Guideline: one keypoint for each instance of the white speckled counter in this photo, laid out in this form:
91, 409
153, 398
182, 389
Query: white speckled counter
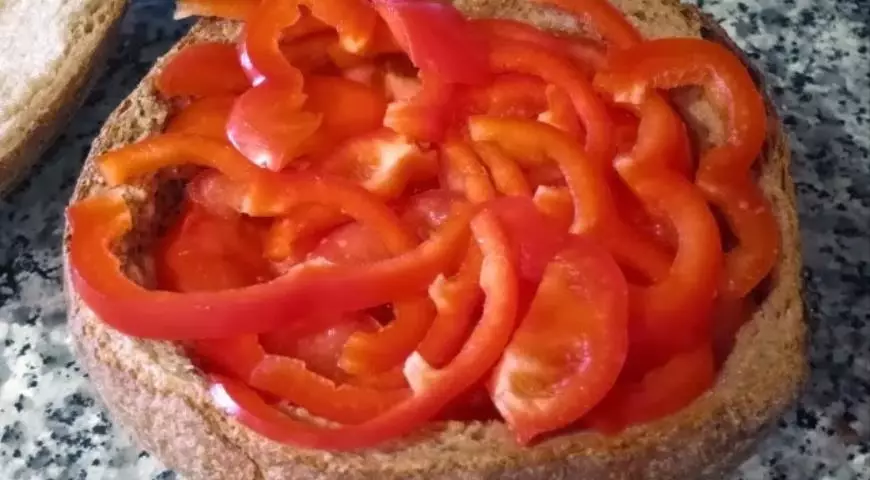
815, 57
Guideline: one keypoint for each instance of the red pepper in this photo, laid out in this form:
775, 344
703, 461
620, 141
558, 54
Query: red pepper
438, 39
235, 356
217, 68
354, 20
504, 170
605, 18
556, 204
507, 95
560, 112
723, 174
426, 212
206, 117
231, 9
260, 51
523, 58
268, 126
463, 172
569, 348
663, 391
594, 210
479, 354
425, 116
588, 55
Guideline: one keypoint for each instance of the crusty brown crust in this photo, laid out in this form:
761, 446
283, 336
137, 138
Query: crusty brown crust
158, 396
57, 106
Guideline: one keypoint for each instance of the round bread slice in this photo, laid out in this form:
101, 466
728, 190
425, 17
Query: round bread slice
74, 40
153, 390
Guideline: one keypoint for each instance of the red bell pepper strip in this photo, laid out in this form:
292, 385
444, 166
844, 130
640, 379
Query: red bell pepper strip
206, 117
662, 392
425, 116
268, 126
230, 9
438, 39
463, 172
589, 55
354, 20
507, 95
523, 58
556, 204
425, 212
307, 25
506, 174
217, 68
289, 379
479, 354
310, 53
569, 348
594, 210
560, 112
235, 356
605, 18
260, 50
723, 173
456, 299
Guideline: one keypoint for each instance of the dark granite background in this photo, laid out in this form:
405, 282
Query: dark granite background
815, 57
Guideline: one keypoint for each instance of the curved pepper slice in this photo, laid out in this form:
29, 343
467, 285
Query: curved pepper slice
511, 95
589, 55
235, 356
427, 211
290, 379
206, 117
594, 210
260, 50
230, 9
506, 174
354, 20
455, 299
569, 348
425, 116
560, 112
438, 39
477, 356
217, 68
605, 18
523, 58
723, 173
663, 391
463, 172
268, 126
556, 204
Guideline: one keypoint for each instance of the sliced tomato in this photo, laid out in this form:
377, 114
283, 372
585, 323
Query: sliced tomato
438, 39
268, 126
354, 243
205, 117
569, 348
217, 68
206, 252
426, 212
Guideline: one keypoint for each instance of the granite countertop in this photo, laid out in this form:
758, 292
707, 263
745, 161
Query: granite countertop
815, 57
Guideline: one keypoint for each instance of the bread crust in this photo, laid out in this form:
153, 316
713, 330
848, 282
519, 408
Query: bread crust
152, 389
53, 107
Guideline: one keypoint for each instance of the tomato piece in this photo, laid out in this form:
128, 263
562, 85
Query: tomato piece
723, 174
205, 117
594, 210
217, 72
662, 392
230, 9
205, 252
480, 353
605, 18
260, 50
569, 348
293, 236
426, 212
462, 171
729, 316
506, 174
383, 162
267, 126
352, 243
438, 39
215, 193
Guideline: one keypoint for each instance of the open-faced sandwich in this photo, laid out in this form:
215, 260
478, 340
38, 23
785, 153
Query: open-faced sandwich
420, 239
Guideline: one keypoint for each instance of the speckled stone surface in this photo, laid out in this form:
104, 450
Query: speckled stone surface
816, 61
